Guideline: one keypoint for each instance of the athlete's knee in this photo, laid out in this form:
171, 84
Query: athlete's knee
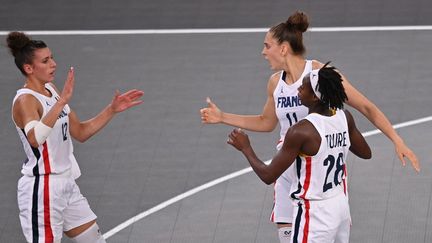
283, 225
90, 235
284, 234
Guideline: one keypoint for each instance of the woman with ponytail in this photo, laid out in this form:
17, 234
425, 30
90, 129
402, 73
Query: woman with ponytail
284, 50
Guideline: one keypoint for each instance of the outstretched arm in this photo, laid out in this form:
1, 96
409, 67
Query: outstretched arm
359, 146
82, 131
359, 102
265, 122
282, 160
377, 117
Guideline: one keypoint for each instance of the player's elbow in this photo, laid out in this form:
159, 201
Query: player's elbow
80, 133
267, 182
268, 179
368, 154
80, 137
33, 143
267, 124
81, 140
365, 154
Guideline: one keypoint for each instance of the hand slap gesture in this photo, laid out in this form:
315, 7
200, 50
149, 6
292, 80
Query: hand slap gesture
238, 139
122, 102
211, 114
68, 87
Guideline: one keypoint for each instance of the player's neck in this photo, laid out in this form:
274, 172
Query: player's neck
294, 68
36, 85
320, 109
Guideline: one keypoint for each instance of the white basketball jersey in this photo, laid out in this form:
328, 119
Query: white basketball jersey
55, 155
288, 107
322, 176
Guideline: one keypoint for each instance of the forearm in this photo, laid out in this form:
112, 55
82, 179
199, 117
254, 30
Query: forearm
90, 127
381, 122
260, 168
38, 131
51, 117
255, 123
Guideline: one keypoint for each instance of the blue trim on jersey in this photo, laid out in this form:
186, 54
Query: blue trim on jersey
299, 186
283, 76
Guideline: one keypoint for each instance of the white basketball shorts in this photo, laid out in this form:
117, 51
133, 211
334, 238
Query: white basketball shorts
49, 205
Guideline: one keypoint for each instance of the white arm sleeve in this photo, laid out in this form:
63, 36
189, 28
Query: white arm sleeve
41, 131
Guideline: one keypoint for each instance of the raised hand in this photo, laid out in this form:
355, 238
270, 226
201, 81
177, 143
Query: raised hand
68, 87
238, 139
211, 114
122, 102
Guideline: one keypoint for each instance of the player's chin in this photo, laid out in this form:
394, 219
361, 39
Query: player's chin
50, 78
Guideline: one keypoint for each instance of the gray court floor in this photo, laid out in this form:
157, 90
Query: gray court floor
160, 149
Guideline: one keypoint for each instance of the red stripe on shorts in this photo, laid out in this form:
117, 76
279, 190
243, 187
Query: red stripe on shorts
306, 225
307, 205
344, 181
49, 238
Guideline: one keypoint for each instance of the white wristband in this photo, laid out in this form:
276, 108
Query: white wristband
41, 131
29, 126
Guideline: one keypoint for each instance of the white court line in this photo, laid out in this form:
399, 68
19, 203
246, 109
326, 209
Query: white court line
225, 178
212, 31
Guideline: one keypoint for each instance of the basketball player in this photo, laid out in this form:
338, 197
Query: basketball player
284, 50
49, 200
318, 146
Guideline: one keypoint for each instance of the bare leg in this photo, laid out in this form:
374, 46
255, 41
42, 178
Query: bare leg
78, 230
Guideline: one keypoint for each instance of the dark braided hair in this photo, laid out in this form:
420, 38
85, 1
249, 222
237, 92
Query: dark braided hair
330, 85
292, 31
23, 48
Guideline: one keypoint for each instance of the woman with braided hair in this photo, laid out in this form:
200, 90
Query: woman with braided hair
316, 148
284, 50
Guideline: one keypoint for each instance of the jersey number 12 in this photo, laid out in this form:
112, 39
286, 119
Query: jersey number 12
64, 131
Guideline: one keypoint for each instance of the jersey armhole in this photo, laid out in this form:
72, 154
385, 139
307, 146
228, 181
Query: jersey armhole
13, 105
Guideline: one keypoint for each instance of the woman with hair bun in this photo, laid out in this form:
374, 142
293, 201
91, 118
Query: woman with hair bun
49, 200
317, 148
284, 50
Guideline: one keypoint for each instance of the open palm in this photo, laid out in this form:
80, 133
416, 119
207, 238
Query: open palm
122, 102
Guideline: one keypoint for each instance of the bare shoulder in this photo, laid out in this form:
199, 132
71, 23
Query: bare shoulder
25, 100
274, 78
303, 128
25, 104
349, 117
273, 81
348, 114
317, 64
